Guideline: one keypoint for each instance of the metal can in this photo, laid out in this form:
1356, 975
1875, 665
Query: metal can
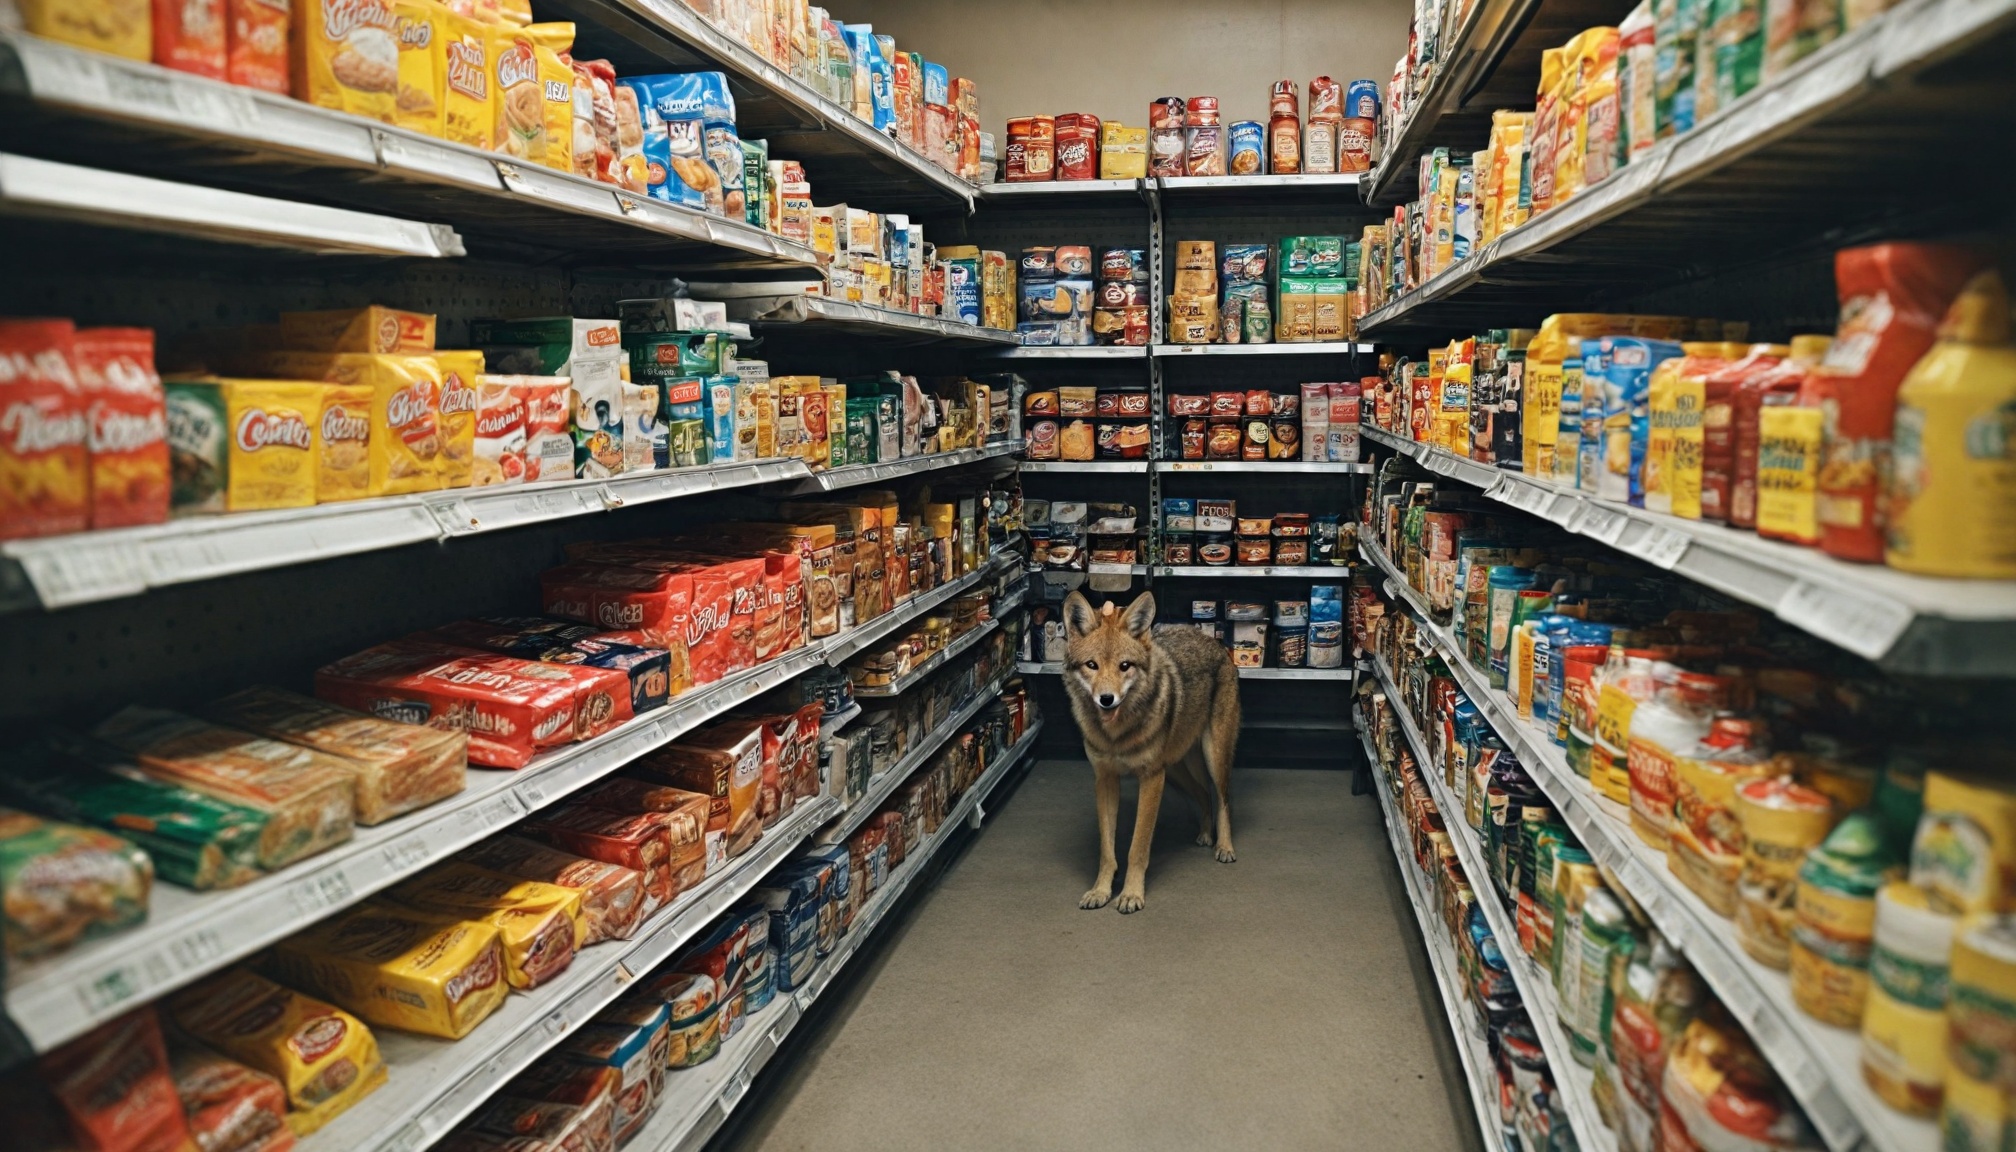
1249, 140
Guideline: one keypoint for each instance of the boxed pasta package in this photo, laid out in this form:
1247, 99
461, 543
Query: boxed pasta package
398, 767
405, 448
613, 897
308, 799
326, 1058
540, 925
399, 968
373, 329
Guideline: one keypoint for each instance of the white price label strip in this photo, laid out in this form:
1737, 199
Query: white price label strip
1665, 547
1864, 625
81, 571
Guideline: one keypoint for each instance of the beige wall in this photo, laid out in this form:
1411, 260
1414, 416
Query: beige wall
1110, 58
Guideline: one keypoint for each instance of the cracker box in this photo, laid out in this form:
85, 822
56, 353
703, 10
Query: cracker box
420, 25
406, 439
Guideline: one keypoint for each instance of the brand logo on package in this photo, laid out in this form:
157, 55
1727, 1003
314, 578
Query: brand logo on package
339, 424
607, 336
258, 429
36, 426
342, 17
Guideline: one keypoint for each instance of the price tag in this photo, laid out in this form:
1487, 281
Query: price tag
401, 855
1605, 524
532, 795
318, 894
454, 517
109, 990
198, 949
1863, 623
1665, 547
408, 1139
144, 92
80, 572
1564, 510
556, 1025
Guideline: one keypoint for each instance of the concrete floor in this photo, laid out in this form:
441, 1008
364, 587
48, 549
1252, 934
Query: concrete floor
1280, 1002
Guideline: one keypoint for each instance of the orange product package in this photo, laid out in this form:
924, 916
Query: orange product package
520, 129
115, 1085
708, 625
189, 36
231, 1108
324, 1057
45, 464
500, 433
1893, 297
128, 426
421, 64
345, 56
374, 328
468, 107
343, 448
460, 369
256, 45
655, 603
406, 440
549, 428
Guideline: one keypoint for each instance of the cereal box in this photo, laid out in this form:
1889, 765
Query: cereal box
189, 36
117, 27
500, 432
45, 478
256, 45
420, 25
405, 412
343, 450
459, 370
370, 329
468, 110
345, 56
128, 426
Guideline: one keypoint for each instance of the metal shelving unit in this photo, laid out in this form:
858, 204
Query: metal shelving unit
1785, 165
885, 325
1177, 351
1256, 571
1263, 467
887, 781
63, 571
1115, 467
85, 106
929, 664
697, 1101
1905, 623
1033, 668
1819, 1064
1075, 352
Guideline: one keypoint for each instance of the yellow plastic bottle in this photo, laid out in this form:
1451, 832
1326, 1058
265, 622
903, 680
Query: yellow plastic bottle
1952, 497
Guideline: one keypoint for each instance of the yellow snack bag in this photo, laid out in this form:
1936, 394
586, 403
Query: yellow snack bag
520, 130
539, 925
345, 56
1788, 472
270, 426
515, 12
459, 370
405, 412
1689, 402
420, 24
399, 969
325, 1058
468, 104
550, 43
117, 27
343, 449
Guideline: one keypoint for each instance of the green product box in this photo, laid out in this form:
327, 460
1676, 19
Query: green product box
863, 428
756, 189
658, 355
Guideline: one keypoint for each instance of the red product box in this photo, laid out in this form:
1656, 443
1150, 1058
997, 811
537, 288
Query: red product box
619, 599
637, 840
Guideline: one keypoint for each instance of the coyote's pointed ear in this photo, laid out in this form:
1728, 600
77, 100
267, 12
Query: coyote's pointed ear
1079, 619
1140, 615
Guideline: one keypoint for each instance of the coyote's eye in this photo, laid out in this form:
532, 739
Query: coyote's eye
1126, 665
1091, 665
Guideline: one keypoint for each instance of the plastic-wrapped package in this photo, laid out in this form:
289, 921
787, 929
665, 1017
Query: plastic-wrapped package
63, 883
231, 1108
540, 925
399, 968
326, 1058
115, 1085
613, 898
398, 767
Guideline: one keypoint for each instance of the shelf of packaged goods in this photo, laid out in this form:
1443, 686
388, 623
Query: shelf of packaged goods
841, 648
845, 158
83, 106
435, 1083
62, 571
1820, 1064
1536, 986
803, 313
1056, 668
887, 781
1480, 1072
45, 190
1284, 467
1075, 352
1048, 193
1783, 167
833, 722
1137, 467
851, 475
697, 1101
188, 934
1906, 623
1271, 571
1328, 348
930, 664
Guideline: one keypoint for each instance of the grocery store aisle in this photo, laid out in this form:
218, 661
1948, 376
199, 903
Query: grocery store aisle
1280, 1002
